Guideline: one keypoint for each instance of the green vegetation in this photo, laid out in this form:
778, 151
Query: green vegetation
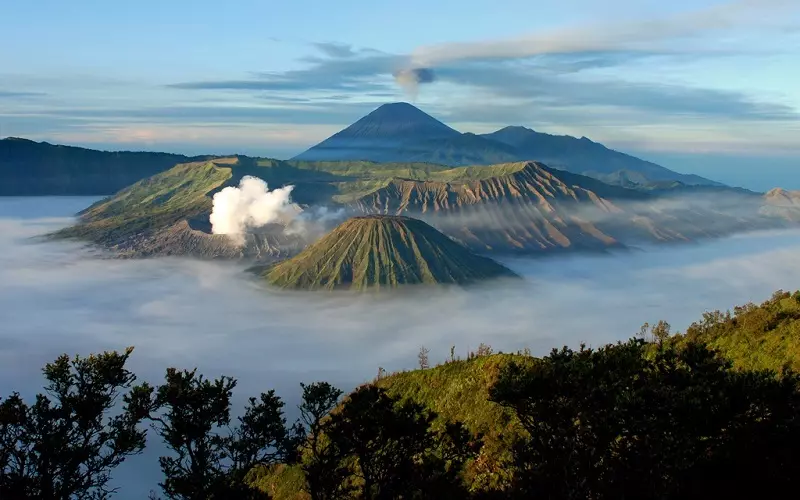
151, 204
754, 337
669, 418
382, 251
371, 170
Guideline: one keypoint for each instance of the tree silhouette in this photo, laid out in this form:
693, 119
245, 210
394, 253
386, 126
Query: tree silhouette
385, 449
210, 459
325, 478
65, 445
637, 420
422, 357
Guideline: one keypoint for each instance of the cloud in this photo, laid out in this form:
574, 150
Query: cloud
12, 94
354, 73
335, 49
627, 36
528, 85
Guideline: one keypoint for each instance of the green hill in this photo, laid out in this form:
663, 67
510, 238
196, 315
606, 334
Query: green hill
383, 252
753, 337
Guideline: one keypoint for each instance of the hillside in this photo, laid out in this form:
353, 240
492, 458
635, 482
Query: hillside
509, 207
37, 168
167, 214
400, 132
382, 252
754, 337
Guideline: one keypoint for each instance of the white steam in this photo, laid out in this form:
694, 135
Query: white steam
251, 205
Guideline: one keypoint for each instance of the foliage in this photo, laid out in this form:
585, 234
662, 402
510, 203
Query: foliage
619, 423
66, 444
377, 447
458, 391
189, 412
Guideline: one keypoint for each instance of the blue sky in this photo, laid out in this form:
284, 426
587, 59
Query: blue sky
707, 86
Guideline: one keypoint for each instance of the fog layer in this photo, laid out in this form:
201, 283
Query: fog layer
64, 298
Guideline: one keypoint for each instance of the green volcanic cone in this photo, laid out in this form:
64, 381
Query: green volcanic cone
380, 251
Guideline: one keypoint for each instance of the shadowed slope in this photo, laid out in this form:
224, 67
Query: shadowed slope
383, 251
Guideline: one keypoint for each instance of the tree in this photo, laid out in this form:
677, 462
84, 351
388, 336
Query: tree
423, 358
324, 476
66, 445
385, 449
638, 420
211, 460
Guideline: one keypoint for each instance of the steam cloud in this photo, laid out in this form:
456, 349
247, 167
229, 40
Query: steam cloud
251, 205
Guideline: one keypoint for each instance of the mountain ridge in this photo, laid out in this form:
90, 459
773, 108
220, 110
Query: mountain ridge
31, 168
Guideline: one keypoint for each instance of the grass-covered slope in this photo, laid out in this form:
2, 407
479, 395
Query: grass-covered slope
151, 205
754, 337
382, 251
456, 391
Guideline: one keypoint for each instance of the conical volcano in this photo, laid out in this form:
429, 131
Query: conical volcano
381, 251
388, 133
397, 120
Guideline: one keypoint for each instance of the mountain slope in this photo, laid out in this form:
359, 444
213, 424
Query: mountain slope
379, 252
31, 168
510, 207
587, 157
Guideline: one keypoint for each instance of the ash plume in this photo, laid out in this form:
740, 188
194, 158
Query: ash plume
411, 78
251, 205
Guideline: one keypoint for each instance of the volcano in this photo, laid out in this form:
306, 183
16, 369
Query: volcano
390, 131
381, 251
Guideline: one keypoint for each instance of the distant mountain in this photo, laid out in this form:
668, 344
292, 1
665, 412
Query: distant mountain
587, 157
31, 168
400, 132
782, 203
375, 252
376, 136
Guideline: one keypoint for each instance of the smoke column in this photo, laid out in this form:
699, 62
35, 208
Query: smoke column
252, 204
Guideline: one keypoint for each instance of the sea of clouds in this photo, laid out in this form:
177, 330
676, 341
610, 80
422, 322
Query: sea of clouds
62, 297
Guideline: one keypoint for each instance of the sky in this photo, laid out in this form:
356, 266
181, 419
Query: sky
705, 86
